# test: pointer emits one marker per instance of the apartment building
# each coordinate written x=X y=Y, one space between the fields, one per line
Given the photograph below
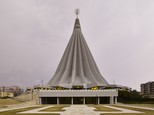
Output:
x=147 y=89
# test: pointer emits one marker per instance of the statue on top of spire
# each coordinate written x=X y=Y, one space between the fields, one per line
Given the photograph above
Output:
x=77 y=12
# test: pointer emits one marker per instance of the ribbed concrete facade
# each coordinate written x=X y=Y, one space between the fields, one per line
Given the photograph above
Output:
x=77 y=66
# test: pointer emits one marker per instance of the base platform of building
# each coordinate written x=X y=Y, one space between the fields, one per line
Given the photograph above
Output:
x=78 y=96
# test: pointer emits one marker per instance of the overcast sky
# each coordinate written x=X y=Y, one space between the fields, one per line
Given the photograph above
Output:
x=35 y=33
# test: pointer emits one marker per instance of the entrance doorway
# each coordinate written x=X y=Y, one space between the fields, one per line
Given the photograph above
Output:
x=77 y=100
x=49 y=100
x=91 y=100
x=65 y=100
x=104 y=100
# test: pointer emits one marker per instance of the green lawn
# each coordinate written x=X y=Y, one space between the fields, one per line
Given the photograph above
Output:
x=8 y=101
x=3 y=106
x=5 y=102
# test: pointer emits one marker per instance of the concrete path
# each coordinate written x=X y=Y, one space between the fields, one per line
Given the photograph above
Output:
x=80 y=110
x=38 y=111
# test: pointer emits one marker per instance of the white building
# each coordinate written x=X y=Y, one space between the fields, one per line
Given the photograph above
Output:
x=77 y=79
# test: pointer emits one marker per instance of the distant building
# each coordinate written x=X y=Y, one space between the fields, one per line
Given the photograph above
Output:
x=10 y=91
x=6 y=94
x=119 y=87
x=147 y=89
x=37 y=88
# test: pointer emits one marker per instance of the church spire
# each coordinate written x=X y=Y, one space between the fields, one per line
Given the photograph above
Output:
x=77 y=22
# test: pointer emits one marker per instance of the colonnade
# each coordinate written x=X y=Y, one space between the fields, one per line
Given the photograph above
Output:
x=81 y=100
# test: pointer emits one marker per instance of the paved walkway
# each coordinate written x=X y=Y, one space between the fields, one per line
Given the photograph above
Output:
x=38 y=111
x=80 y=110
x=146 y=108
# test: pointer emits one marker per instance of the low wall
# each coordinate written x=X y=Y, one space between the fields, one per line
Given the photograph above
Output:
x=28 y=96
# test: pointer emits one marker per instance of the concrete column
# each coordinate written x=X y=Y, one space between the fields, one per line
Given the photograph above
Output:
x=84 y=101
x=40 y=101
x=57 y=100
x=72 y=100
x=111 y=100
x=115 y=100
x=98 y=101
x=46 y=101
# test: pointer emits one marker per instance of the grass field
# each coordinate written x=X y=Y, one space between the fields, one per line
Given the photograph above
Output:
x=8 y=101
x=5 y=102
x=3 y=106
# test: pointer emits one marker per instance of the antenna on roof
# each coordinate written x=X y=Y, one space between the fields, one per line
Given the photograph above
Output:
x=77 y=12
x=114 y=82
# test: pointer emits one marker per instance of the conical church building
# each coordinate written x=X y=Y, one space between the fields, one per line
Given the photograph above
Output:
x=77 y=66
x=77 y=79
